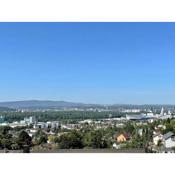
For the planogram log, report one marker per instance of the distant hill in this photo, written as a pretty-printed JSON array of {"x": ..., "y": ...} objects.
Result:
[{"x": 34, "y": 104}]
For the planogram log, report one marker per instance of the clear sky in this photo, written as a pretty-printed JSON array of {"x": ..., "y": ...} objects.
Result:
[{"x": 88, "y": 62}]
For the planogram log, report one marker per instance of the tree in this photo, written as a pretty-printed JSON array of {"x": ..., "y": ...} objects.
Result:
[
  {"x": 72, "y": 140},
  {"x": 24, "y": 139},
  {"x": 129, "y": 128},
  {"x": 159, "y": 143},
  {"x": 41, "y": 137},
  {"x": 26, "y": 149},
  {"x": 5, "y": 137},
  {"x": 64, "y": 142},
  {"x": 173, "y": 148},
  {"x": 4, "y": 130},
  {"x": 6, "y": 143},
  {"x": 52, "y": 139},
  {"x": 15, "y": 146},
  {"x": 95, "y": 139}
]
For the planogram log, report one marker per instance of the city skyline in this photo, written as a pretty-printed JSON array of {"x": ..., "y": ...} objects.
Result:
[{"x": 100, "y": 63}]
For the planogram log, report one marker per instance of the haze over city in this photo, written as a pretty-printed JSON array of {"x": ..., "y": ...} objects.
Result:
[{"x": 104, "y": 63}]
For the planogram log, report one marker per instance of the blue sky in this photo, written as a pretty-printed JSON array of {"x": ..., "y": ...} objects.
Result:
[{"x": 88, "y": 62}]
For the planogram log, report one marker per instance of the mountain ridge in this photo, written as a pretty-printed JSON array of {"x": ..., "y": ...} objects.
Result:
[{"x": 43, "y": 104}]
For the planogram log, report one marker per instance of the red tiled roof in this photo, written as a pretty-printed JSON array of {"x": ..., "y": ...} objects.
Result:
[{"x": 127, "y": 136}]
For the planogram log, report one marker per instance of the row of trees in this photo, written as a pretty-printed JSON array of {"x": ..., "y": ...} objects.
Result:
[
  {"x": 90, "y": 138},
  {"x": 82, "y": 139},
  {"x": 59, "y": 115},
  {"x": 20, "y": 141}
]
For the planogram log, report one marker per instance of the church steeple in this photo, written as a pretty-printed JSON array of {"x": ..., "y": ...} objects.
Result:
[{"x": 162, "y": 111}]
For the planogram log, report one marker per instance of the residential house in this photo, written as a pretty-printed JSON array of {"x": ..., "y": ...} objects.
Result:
[
  {"x": 40, "y": 125},
  {"x": 156, "y": 138},
  {"x": 116, "y": 146},
  {"x": 31, "y": 132},
  {"x": 169, "y": 140},
  {"x": 123, "y": 138},
  {"x": 140, "y": 132},
  {"x": 163, "y": 127}
]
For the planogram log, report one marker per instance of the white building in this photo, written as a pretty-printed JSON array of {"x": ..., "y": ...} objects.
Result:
[
  {"x": 86, "y": 121},
  {"x": 32, "y": 119},
  {"x": 161, "y": 127},
  {"x": 131, "y": 110},
  {"x": 150, "y": 114},
  {"x": 162, "y": 111},
  {"x": 40, "y": 125},
  {"x": 31, "y": 132},
  {"x": 17, "y": 124},
  {"x": 115, "y": 146},
  {"x": 169, "y": 140},
  {"x": 140, "y": 132},
  {"x": 156, "y": 138},
  {"x": 165, "y": 117},
  {"x": 169, "y": 112},
  {"x": 55, "y": 124}
]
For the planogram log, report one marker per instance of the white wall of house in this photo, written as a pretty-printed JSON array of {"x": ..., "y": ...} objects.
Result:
[
  {"x": 169, "y": 143},
  {"x": 116, "y": 146},
  {"x": 157, "y": 138}
]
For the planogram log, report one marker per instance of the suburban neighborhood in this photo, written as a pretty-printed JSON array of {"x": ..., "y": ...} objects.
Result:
[{"x": 133, "y": 131}]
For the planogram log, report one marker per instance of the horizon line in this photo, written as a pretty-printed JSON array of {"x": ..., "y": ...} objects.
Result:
[{"x": 109, "y": 104}]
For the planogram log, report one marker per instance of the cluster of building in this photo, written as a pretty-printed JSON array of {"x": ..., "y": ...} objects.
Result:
[
  {"x": 32, "y": 120},
  {"x": 29, "y": 120},
  {"x": 45, "y": 125},
  {"x": 163, "y": 143},
  {"x": 160, "y": 142},
  {"x": 150, "y": 116},
  {"x": 131, "y": 110}
]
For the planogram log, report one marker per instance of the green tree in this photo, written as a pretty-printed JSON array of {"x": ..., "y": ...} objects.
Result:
[
  {"x": 159, "y": 143},
  {"x": 24, "y": 139},
  {"x": 72, "y": 140},
  {"x": 41, "y": 137},
  {"x": 6, "y": 143},
  {"x": 4, "y": 130},
  {"x": 95, "y": 139}
]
